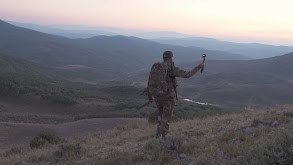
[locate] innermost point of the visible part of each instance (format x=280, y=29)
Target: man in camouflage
x=166, y=102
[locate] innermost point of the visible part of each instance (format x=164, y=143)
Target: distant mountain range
x=80, y=31
x=108, y=55
x=251, y=50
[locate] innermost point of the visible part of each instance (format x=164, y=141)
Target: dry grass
x=225, y=139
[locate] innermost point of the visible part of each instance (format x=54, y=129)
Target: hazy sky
x=267, y=21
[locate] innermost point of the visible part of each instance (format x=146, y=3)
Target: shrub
x=278, y=150
x=38, y=142
x=50, y=137
x=43, y=139
x=288, y=113
x=172, y=143
x=256, y=122
x=152, y=144
x=69, y=151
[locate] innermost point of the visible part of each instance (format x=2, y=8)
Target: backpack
x=158, y=79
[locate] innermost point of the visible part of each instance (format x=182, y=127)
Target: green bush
x=38, y=142
x=278, y=150
x=50, y=137
x=43, y=139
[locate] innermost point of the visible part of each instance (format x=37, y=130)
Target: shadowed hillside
x=38, y=94
x=53, y=50
x=260, y=82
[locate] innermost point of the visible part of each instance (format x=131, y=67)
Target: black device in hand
x=204, y=58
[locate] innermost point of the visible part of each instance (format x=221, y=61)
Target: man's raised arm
x=186, y=74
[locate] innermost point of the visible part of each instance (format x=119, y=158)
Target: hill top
x=252, y=137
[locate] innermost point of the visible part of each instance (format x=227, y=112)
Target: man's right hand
x=151, y=99
x=201, y=65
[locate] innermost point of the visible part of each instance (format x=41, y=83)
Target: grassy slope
x=245, y=138
x=22, y=80
x=69, y=72
x=20, y=134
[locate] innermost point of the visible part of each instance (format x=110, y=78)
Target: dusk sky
x=265, y=21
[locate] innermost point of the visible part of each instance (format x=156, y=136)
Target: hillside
x=144, y=52
x=74, y=73
x=262, y=82
x=38, y=94
x=16, y=65
x=279, y=65
x=23, y=132
x=229, y=83
x=253, y=137
x=33, y=99
x=112, y=55
x=50, y=50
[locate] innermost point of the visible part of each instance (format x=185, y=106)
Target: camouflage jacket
x=176, y=73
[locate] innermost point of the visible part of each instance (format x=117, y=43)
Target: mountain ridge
x=59, y=51
x=252, y=50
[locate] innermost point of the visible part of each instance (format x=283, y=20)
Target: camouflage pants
x=165, y=112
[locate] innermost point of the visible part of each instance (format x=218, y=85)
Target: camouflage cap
x=167, y=54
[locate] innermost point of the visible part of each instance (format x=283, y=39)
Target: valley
x=86, y=92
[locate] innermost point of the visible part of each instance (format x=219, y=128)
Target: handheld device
x=204, y=59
